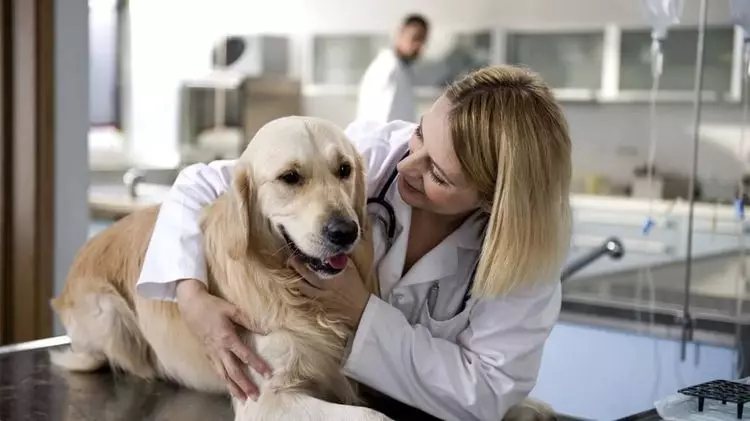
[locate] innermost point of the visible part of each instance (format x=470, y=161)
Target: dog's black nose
x=341, y=231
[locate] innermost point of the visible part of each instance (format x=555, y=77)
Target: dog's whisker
x=282, y=249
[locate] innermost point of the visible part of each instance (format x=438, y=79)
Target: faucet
x=612, y=247
x=132, y=178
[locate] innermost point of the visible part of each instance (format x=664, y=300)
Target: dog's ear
x=239, y=212
x=360, y=193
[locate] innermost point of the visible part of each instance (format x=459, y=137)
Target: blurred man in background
x=386, y=92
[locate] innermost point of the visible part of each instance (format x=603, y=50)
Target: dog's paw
x=531, y=410
x=77, y=361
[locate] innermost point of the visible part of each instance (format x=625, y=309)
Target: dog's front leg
x=290, y=406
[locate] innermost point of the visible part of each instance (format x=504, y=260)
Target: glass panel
x=343, y=59
x=464, y=53
x=679, y=59
x=564, y=60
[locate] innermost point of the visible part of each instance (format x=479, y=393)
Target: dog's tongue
x=338, y=261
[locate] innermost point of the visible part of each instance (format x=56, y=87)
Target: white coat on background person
x=469, y=364
x=386, y=91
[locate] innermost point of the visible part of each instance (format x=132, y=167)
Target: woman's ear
x=239, y=212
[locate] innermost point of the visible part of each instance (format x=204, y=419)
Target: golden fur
x=108, y=322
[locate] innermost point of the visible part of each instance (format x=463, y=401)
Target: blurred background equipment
x=245, y=89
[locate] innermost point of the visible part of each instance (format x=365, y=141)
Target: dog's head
x=304, y=179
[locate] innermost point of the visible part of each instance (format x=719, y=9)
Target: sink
x=150, y=175
x=110, y=197
x=113, y=201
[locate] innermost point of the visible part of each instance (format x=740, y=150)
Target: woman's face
x=431, y=177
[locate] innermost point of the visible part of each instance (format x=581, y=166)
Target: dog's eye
x=291, y=177
x=345, y=170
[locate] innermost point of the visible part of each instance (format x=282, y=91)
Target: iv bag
x=741, y=15
x=661, y=14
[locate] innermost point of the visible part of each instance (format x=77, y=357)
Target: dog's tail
x=76, y=360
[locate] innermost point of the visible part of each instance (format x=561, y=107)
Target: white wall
x=608, y=138
x=71, y=128
x=591, y=13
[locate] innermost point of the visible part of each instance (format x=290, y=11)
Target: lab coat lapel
x=442, y=261
x=392, y=265
x=439, y=263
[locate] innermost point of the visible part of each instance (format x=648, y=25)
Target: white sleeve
x=382, y=145
x=493, y=365
x=175, y=251
x=381, y=105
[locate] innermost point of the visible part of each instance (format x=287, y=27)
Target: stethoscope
x=389, y=225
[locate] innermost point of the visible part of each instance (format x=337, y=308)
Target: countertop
x=114, y=201
x=718, y=301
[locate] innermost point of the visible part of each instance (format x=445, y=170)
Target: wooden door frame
x=26, y=169
x=5, y=24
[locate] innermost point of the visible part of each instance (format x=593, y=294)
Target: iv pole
x=687, y=320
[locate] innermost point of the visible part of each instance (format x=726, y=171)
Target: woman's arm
x=175, y=251
x=493, y=365
x=174, y=268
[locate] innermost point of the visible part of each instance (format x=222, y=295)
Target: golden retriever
x=298, y=188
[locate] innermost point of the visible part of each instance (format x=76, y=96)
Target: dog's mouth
x=328, y=266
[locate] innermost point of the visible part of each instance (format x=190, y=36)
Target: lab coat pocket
x=447, y=329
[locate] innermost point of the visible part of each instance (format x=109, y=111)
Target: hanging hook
x=648, y=224
x=739, y=208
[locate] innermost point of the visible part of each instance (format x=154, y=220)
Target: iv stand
x=687, y=320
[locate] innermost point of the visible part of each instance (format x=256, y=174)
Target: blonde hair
x=512, y=142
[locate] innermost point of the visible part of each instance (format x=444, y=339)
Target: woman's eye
x=418, y=132
x=345, y=170
x=291, y=177
x=437, y=179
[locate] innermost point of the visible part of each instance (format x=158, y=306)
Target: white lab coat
x=470, y=366
x=386, y=92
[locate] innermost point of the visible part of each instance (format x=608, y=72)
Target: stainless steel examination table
x=32, y=390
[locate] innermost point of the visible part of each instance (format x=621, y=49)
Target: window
x=107, y=26
x=343, y=59
x=108, y=70
x=564, y=60
x=678, y=72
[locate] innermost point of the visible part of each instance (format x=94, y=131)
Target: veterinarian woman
x=470, y=279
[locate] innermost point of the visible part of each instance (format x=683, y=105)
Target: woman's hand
x=344, y=293
x=214, y=321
